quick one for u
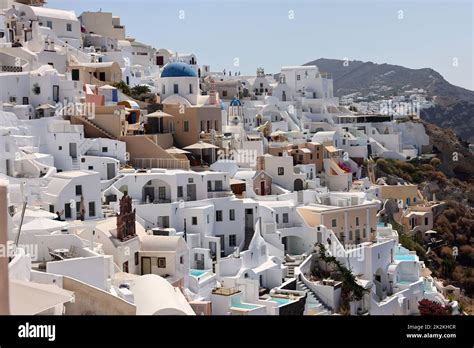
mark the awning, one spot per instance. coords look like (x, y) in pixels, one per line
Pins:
(28, 298)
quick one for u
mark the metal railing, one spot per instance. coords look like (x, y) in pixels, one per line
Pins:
(167, 163)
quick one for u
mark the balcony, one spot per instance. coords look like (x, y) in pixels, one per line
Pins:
(226, 291)
(289, 225)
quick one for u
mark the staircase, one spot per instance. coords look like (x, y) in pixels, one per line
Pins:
(75, 164)
(249, 232)
(86, 122)
(313, 304)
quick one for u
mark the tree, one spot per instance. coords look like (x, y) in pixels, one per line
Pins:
(123, 87)
(427, 307)
(139, 90)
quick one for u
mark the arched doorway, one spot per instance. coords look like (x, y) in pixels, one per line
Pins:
(298, 185)
(283, 96)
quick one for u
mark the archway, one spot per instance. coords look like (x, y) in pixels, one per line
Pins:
(298, 185)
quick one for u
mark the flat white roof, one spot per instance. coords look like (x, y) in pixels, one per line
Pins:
(54, 13)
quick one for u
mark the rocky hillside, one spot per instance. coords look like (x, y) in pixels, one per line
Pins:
(455, 105)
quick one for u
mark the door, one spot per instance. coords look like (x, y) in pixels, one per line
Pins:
(159, 60)
(212, 247)
(249, 219)
(110, 171)
(191, 188)
(149, 192)
(283, 96)
(222, 238)
(102, 76)
(73, 150)
(199, 261)
(262, 188)
(146, 265)
(298, 185)
(67, 210)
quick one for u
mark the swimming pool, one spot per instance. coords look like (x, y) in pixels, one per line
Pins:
(198, 272)
(405, 257)
(244, 305)
(280, 300)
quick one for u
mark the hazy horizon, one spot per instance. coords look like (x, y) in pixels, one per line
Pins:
(271, 34)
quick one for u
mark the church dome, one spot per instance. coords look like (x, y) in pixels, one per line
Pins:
(178, 69)
(235, 102)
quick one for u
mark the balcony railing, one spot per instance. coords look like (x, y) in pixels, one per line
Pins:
(148, 163)
(226, 291)
(289, 224)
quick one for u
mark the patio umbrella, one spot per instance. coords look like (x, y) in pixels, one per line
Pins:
(45, 107)
(176, 151)
(43, 225)
(159, 114)
(200, 146)
(31, 214)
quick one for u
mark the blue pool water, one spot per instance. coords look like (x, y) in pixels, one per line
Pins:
(381, 224)
(281, 301)
(198, 272)
(406, 257)
(244, 305)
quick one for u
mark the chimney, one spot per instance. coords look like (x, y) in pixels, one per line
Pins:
(4, 283)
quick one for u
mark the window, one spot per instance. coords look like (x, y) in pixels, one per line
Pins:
(426, 221)
(25, 101)
(161, 262)
(364, 233)
(281, 171)
(56, 92)
(350, 235)
(208, 220)
(232, 215)
(78, 190)
(181, 260)
(194, 220)
(69, 27)
(232, 240)
(49, 24)
(357, 221)
(105, 149)
(190, 89)
(51, 208)
(209, 186)
(224, 93)
(186, 126)
(334, 223)
(91, 208)
(60, 148)
(90, 167)
(136, 258)
(298, 77)
(75, 74)
(176, 88)
(277, 218)
(218, 185)
(180, 191)
(125, 267)
(163, 89)
(162, 193)
(285, 218)
(218, 215)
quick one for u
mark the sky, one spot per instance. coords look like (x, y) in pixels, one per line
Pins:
(416, 34)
